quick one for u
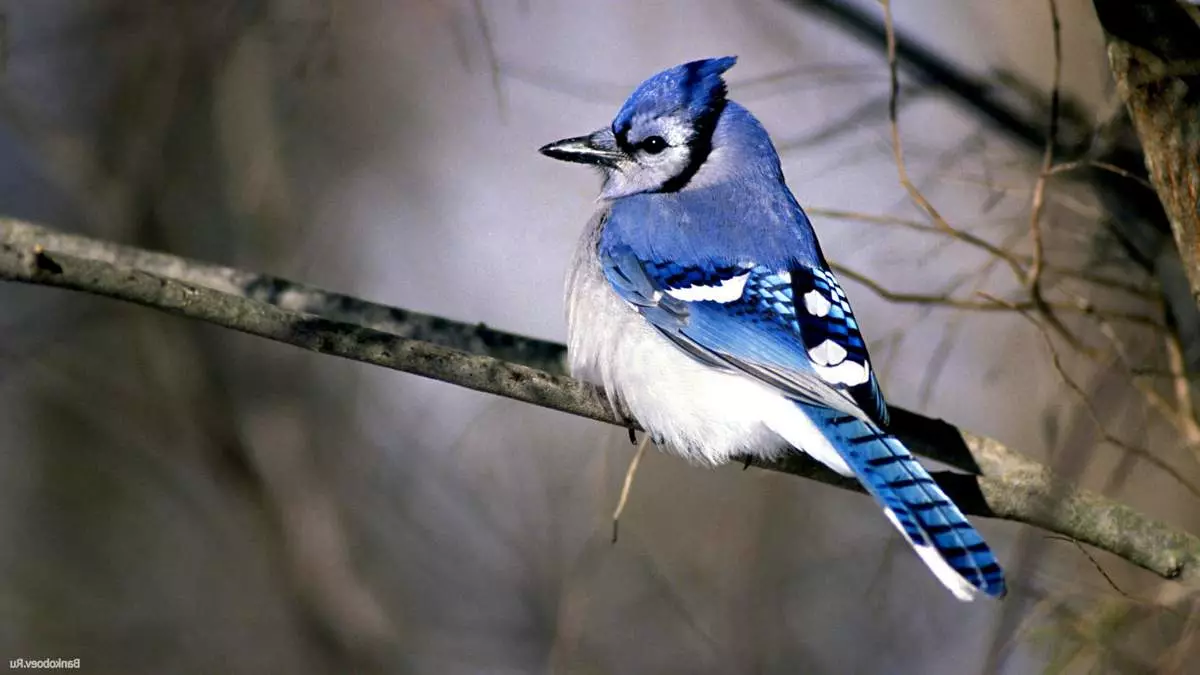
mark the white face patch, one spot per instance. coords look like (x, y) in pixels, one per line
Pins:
(816, 304)
(722, 292)
(848, 373)
(645, 171)
(677, 131)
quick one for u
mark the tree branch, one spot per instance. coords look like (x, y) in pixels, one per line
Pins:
(1154, 53)
(1011, 486)
(474, 338)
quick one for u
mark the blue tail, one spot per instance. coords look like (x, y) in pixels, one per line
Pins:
(934, 526)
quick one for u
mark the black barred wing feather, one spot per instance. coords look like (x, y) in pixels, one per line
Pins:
(824, 318)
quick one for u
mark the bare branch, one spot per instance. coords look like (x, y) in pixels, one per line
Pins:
(1093, 415)
(902, 168)
(1141, 291)
(476, 338)
(949, 301)
(1066, 167)
(1011, 486)
(1034, 279)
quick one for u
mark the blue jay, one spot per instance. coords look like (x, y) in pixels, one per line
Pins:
(699, 297)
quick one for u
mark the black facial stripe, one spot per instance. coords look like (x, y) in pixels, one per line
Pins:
(622, 137)
(700, 147)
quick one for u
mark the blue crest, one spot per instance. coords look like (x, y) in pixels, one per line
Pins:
(695, 86)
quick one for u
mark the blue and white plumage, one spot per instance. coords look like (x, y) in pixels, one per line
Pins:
(700, 298)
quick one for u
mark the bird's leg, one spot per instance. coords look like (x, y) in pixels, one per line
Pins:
(629, 474)
(626, 418)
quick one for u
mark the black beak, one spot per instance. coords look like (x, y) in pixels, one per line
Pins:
(599, 148)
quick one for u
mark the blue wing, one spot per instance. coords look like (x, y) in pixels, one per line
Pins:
(791, 328)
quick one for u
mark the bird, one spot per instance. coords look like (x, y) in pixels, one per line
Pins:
(699, 299)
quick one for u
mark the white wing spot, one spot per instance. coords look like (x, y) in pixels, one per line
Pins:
(847, 372)
(785, 277)
(828, 353)
(724, 291)
(816, 304)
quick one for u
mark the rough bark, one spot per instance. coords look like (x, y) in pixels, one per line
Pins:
(1154, 53)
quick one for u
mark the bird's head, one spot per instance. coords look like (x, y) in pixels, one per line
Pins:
(661, 137)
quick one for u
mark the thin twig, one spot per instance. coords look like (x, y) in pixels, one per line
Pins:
(949, 338)
(898, 154)
(1064, 167)
(1095, 563)
(1106, 436)
(629, 474)
(1141, 291)
(1183, 420)
(1034, 278)
(947, 300)
(1184, 405)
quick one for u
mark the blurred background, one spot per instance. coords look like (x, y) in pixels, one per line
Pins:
(175, 498)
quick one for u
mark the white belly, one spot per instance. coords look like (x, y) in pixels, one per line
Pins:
(702, 414)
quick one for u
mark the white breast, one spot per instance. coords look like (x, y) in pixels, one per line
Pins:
(702, 414)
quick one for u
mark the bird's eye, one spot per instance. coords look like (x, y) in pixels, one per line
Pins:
(654, 145)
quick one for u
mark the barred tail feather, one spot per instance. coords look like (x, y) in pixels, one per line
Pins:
(912, 501)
